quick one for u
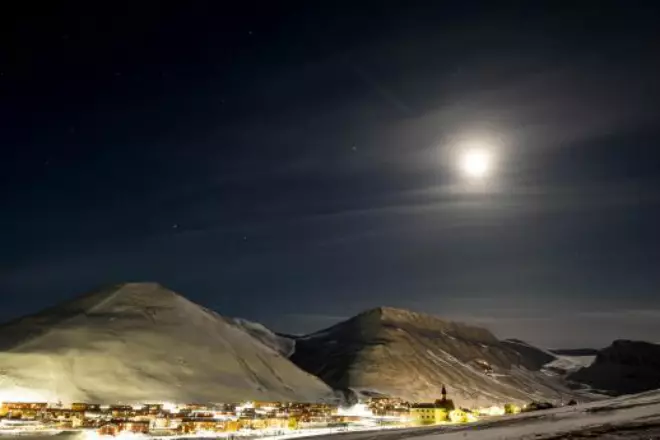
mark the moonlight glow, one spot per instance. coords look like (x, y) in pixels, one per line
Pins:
(476, 163)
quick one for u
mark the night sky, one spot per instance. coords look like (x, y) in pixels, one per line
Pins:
(295, 163)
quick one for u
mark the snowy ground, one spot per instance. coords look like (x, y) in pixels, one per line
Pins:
(569, 364)
(629, 417)
(244, 435)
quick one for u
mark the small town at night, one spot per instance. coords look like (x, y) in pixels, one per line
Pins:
(246, 419)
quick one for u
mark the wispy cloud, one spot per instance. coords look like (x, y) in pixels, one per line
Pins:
(619, 314)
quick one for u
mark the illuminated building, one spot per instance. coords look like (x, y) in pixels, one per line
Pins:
(21, 410)
(427, 414)
(431, 413)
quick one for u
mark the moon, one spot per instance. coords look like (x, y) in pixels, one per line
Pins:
(476, 163)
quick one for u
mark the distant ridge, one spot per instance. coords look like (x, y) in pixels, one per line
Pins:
(625, 367)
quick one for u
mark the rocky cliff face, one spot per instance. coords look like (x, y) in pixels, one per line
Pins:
(411, 355)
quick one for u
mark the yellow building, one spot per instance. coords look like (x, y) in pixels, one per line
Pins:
(277, 422)
(460, 416)
(427, 414)
(292, 423)
(22, 410)
(232, 425)
(257, 423)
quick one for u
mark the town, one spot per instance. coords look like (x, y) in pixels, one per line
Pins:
(249, 419)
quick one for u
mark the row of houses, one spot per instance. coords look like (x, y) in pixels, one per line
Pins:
(167, 418)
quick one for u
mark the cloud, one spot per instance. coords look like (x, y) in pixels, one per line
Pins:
(618, 314)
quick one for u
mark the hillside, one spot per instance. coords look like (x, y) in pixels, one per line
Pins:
(625, 367)
(143, 342)
(411, 355)
(533, 357)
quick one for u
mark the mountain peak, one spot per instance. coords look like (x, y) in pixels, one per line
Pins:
(141, 285)
(136, 288)
(393, 312)
(382, 311)
(410, 319)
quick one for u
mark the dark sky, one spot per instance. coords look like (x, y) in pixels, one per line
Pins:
(294, 163)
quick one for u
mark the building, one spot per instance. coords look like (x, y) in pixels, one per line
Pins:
(461, 416)
(116, 426)
(431, 413)
(20, 410)
(201, 424)
(427, 414)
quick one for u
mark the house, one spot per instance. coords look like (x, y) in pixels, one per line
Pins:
(461, 416)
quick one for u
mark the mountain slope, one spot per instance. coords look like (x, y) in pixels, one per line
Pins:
(533, 357)
(411, 355)
(282, 344)
(142, 342)
(625, 367)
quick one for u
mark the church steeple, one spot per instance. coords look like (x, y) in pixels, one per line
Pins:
(444, 393)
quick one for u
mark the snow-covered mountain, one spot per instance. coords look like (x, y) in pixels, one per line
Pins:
(411, 355)
(625, 367)
(143, 342)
